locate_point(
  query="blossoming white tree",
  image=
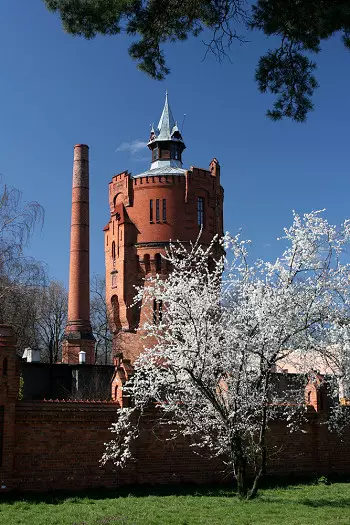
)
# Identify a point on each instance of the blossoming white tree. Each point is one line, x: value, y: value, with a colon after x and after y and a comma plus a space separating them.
x: 226, y: 325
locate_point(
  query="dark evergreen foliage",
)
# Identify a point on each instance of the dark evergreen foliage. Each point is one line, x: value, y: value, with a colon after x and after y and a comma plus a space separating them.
x: 287, y: 71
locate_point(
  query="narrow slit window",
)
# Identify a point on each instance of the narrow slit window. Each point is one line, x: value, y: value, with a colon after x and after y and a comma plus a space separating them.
x: 157, y: 311
x: 164, y: 210
x: 113, y: 250
x: 157, y: 211
x: 151, y: 210
x: 200, y: 211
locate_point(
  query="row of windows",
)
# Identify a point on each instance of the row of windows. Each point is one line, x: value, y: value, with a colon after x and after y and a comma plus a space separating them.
x: 200, y: 216
x: 151, y: 210
x: 200, y: 211
x: 157, y: 261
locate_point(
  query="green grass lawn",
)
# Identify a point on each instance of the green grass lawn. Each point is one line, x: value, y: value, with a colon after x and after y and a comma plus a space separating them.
x: 293, y: 505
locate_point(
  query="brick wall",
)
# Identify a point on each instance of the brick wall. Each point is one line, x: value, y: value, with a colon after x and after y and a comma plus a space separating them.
x: 58, y: 445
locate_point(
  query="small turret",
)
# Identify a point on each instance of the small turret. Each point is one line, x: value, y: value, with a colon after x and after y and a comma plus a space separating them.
x: 166, y: 146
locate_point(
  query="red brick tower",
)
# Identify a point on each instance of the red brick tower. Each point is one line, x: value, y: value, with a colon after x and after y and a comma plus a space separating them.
x: 166, y: 202
x: 78, y: 333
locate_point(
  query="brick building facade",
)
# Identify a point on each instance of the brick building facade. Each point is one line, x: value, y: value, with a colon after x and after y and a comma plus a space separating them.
x: 147, y: 210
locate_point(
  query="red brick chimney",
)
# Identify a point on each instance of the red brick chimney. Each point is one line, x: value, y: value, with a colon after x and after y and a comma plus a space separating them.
x: 78, y: 333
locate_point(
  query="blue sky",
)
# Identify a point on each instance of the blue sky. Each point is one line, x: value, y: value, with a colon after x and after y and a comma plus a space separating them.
x: 56, y: 91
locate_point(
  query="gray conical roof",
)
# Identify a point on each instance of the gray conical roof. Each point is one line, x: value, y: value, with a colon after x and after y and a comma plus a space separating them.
x: 166, y: 123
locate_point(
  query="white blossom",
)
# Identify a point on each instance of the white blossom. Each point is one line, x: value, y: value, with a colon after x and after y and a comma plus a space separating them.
x: 228, y: 326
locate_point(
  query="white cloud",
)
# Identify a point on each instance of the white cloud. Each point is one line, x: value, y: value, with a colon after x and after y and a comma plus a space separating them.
x: 133, y: 147
x: 142, y: 159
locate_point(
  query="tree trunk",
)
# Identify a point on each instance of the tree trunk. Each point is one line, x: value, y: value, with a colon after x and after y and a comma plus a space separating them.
x: 254, y: 490
x: 240, y: 464
x: 241, y: 481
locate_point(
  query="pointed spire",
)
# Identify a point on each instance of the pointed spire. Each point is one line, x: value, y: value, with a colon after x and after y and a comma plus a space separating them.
x: 166, y: 143
x: 166, y: 122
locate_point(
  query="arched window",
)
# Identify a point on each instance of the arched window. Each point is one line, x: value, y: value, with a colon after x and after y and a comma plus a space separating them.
x: 4, y: 367
x: 146, y: 260
x: 158, y: 261
x: 113, y: 250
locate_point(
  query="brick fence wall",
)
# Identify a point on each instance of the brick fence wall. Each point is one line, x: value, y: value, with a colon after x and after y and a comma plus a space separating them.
x: 58, y: 445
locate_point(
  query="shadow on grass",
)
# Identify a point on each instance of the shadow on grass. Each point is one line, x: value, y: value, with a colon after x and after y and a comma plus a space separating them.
x: 129, y: 491
x: 223, y: 491
x: 340, y: 503
x: 336, y: 503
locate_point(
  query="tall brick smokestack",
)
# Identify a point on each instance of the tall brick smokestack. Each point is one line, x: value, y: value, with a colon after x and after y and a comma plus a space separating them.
x: 78, y: 334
